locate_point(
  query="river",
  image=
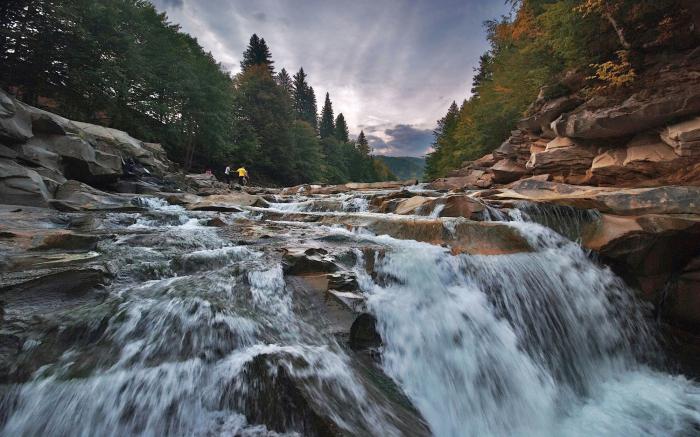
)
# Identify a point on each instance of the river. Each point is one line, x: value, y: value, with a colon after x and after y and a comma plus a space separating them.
x: 211, y: 331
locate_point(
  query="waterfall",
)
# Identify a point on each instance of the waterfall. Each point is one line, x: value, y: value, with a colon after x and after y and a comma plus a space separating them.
x: 544, y: 343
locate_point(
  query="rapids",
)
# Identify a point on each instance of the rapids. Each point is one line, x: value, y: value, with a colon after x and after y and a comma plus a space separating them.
x: 203, y: 331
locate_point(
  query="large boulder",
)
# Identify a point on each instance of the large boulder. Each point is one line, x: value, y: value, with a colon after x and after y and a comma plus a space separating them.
x: 507, y: 170
x: 48, y: 123
x: 646, y: 250
x: 638, y: 113
x: 412, y: 205
x: 549, y: 111
x: 15, y: 120
x: 21, y: 186
x: 684, y: 137
x: 227, y: 202
x: 683, y: 299
x: 643, y: 161
x: 77, y: 196
x: 516, y: 148
x: 454, y: 205
x: 562, y: 156
x: 77, y: 158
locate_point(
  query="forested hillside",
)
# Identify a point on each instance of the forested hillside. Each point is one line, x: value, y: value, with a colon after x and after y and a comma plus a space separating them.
x: 122, y: 64
x: 549, y: 48
x: 405, y: 167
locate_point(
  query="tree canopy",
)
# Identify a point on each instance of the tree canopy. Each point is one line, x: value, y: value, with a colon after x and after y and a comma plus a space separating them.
x: 542, y: 41
x: 122, y: 64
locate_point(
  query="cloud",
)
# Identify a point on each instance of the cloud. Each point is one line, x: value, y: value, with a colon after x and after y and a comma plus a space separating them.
x: 386, y: 64
x: 402, y: 140
x: 172, y: 3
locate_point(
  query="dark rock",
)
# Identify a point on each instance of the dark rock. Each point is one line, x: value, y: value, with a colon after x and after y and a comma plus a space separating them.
x: 76, y: 196
x: 363, y: 333
x: 21, y: 186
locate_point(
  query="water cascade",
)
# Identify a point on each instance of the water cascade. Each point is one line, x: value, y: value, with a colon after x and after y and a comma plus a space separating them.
x: 202, y: 332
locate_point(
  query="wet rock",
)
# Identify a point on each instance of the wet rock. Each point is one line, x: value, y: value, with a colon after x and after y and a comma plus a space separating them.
x: 77, y: 196
x: 228, y: 202
x: 63, y: 281
x: 303, y: 261
x: 217, y: 222
x: 459, y: 205
x: 646, y: 250
x: 21, y: 186
x: 411, y: 205
x: 363, y: 333
x: 281, y: 402
x: 682, y: 303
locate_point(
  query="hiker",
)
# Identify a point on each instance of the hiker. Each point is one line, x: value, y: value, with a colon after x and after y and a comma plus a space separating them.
x: 227, y: 175
x: 242, y: 175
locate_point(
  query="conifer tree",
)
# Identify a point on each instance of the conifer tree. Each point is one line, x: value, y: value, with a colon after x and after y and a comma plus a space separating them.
x: 444, y: 139
x: 285, y: 81
x: 327, y: 125
x: 257, y: 53
x: 341, y: 129
x: 311, y: 112
x: 304, y: 100
x: 362, y: 145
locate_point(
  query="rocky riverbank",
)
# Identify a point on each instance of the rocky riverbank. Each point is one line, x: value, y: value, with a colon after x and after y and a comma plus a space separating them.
x: 144, y: 300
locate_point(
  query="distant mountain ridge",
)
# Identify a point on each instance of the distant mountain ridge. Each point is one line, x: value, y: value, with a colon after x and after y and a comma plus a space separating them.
x: 405, y: 167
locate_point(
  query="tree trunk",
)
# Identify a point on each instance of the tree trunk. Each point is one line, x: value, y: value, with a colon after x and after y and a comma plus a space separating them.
x: 620, y: 32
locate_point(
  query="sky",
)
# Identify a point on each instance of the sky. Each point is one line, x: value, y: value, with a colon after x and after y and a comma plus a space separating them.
x: 392, y: 67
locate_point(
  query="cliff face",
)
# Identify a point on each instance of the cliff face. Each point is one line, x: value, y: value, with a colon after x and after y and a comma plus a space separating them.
x: 45, y: 159
x: 648, y: 136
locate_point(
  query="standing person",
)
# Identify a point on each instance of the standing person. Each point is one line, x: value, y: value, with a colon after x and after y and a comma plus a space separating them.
x: 242, y: 175
x: 227, y: 175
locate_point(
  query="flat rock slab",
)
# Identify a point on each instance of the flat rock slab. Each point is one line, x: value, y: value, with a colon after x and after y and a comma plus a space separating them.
x: 629, y: 201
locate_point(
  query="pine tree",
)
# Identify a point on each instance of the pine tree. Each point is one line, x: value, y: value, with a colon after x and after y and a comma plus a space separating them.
x: 435, y: 165
x: 304, y: 100
x: 362, y: 145
x: 341, y: 129
x: 327, y: 125
x: 311, y: 112
x: 285, y: 81
x: 257, y: 53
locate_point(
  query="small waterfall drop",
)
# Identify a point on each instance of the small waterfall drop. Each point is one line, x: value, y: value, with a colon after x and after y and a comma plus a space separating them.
x: 532, y: 344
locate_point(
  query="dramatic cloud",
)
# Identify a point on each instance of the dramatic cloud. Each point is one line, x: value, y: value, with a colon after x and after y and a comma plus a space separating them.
x: 392, y: 67
x: 402, y: 140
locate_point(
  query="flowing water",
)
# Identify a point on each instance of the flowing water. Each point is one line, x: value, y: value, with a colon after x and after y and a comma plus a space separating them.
x: 202, y: 333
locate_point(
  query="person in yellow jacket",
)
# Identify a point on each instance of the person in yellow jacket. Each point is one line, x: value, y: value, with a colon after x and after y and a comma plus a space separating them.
x: 242, y: 175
